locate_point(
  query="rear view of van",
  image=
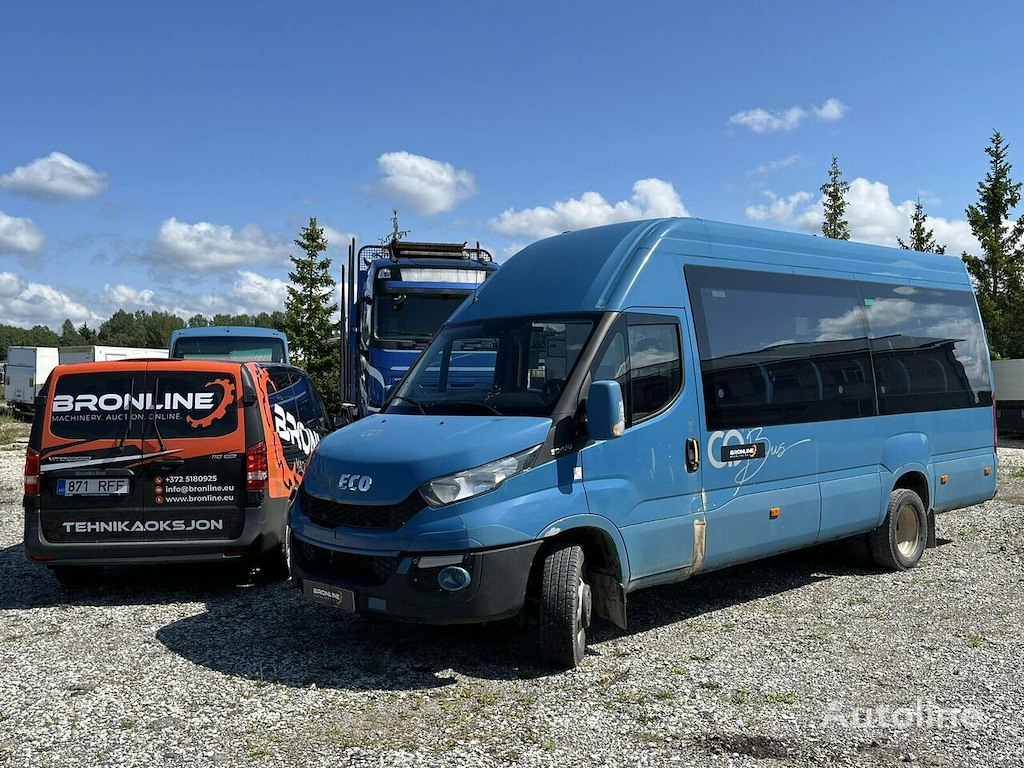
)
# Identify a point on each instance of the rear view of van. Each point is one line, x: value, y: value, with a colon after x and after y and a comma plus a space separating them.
x: 166, y: 461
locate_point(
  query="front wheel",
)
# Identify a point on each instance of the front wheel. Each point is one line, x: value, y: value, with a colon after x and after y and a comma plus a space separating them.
x: 899, y: 542
x: 566, y: 607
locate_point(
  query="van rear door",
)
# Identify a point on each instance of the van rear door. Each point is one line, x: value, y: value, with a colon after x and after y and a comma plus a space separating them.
x: 143, y: 452
x: 91, y: 489
x: 194, y: 442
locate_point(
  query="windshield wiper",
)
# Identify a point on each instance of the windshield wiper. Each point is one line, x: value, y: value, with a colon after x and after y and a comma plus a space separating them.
x: 417, y: 403
x: 156, y: 426
x: 131, y: 412
x: 469, y: 404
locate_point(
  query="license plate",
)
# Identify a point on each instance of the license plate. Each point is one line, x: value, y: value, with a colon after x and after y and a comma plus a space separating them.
x: 328, y: 594
x: 93, y: 486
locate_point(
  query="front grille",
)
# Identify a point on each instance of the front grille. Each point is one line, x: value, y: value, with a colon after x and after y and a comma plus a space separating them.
x: 332, y: 514
x: 362, y: 570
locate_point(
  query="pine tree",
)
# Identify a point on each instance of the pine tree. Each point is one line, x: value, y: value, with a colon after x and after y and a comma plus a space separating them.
x: 834, y: 192
x: 921, y: 239
x: 309, y: 309
x: 997, y: 276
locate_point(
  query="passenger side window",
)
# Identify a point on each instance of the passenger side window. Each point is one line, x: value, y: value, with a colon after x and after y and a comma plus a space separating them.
x: 655, y: 368
x: 645, y: 358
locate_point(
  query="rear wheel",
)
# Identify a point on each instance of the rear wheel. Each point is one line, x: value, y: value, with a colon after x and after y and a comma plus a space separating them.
x: 566, y: 607
x: 899, y: 542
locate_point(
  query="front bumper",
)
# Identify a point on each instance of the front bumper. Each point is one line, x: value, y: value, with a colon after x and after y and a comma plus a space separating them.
x: 404, y: 586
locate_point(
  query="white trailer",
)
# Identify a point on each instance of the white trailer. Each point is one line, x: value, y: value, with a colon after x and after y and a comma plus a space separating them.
x: 1008, y: 382
x: 26, y: 371
x: 96, y: 353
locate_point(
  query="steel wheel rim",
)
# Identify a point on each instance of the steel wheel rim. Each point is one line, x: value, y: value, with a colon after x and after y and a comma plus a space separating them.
x: 908, y: 530
x: 582, y: 618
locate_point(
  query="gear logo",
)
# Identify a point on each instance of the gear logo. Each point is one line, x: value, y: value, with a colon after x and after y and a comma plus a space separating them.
x: 227, y: 389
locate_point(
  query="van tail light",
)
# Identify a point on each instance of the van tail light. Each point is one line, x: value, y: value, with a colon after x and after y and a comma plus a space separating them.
x: 256, y: 468
x: 31, y: 472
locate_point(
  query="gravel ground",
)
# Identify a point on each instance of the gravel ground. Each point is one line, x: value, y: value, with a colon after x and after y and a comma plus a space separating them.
x: 804, y: 659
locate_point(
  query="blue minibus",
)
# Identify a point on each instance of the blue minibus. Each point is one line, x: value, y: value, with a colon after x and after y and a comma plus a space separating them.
x: 234, y: 343
x: 666, y: 398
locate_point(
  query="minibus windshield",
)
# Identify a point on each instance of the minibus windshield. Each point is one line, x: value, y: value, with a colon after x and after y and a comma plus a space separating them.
x: 508, y: 366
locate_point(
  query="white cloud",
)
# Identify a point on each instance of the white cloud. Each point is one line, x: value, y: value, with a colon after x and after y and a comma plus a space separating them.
x: 760, y: 120
x: 871, y: 213
x: 652, y: 198
x: 776, y: 165
x: 19, y: 235
x: 208, y: 247
x: 125, y: 297
x: 55, y: 176
x: 830, y: 111
x: 258, y: 293
x: 778, y: 209
x: 25, y: 304
x: 427, y: 186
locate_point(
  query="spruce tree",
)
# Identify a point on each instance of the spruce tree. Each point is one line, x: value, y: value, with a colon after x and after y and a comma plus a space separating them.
x: 834, y: 192
x: 309, y: 311
x: 996, y: 272
x: 921, y: 238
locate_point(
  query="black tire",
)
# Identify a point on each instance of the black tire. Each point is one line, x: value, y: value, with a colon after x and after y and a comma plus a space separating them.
x: 274, y: 565
x: 72, y: 576
x: 566, y: 607
x: 899, y: 542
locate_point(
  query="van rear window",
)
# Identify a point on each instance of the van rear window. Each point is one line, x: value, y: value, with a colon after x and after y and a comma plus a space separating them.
x: 134, y: 404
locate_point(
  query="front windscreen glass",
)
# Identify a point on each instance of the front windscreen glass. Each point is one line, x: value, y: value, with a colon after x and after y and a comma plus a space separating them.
x: 234, y: 348
x: 511, y: 366
x: 413, y: 315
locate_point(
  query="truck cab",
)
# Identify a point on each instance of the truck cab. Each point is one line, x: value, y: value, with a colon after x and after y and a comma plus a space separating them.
x: 398, y: 295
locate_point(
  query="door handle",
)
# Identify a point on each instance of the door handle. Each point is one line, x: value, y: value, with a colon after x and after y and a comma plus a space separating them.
x: 692, y: 454
x: 166, y: 466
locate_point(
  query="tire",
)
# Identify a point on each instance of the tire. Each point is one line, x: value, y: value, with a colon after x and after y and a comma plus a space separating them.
x: 566, y: 607
x: 71, y: 576
x: 275, y: 565
x: 899, y: 542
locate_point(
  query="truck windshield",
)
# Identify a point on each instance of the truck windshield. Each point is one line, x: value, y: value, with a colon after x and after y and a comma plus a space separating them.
x: 508, y: 367
x: 413, y: 315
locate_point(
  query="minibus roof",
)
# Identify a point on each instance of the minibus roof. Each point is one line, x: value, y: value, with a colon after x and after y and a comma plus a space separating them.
x: 608, y: 268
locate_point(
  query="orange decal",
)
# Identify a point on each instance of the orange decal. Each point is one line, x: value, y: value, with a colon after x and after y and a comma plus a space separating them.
x: 229, y: 397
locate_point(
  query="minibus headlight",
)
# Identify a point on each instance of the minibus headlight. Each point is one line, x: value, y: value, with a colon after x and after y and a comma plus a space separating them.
x: 472, y: 482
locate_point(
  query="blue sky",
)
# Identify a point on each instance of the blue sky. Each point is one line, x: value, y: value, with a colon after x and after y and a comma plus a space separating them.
x: 163, y: 156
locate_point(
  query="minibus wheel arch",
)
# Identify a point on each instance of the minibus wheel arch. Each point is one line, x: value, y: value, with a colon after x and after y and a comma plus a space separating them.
x: 916, y: 482
x: 603, y: 570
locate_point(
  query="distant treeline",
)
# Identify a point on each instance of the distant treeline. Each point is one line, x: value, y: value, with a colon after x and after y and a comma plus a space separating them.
x: 127, y: 329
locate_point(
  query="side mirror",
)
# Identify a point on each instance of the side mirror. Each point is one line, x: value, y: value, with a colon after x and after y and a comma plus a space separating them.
x: 349, y: 413
x: 606, y: 413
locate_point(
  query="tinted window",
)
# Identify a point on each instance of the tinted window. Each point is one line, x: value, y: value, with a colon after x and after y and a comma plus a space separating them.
x: 116, y: 404
x: 778, y: 348
x: 655, y: 367
x: 928, y: 348
x: 413, y: 315
x: 644, y: 357
x: 293, y: 391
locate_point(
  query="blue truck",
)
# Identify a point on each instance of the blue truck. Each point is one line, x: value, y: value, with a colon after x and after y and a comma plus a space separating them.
x: 396, y: 296
x: 666, y: 398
